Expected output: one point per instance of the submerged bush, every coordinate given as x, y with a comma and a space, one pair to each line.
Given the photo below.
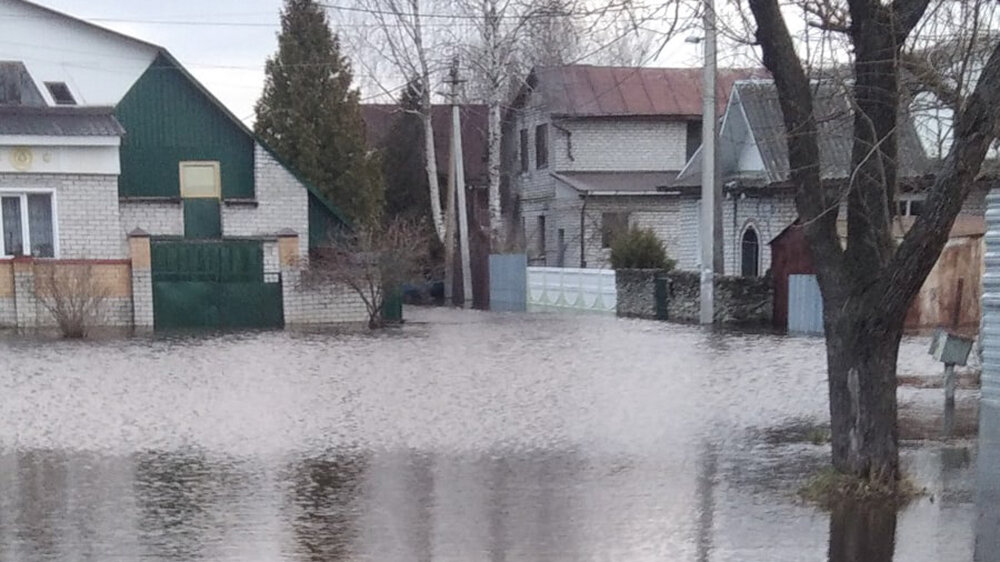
639, 248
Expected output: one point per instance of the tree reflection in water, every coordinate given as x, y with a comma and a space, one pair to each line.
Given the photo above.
862, 532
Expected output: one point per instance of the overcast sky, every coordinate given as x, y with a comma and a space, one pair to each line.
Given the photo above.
224, 43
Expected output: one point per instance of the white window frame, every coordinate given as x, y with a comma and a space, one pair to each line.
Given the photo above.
25, 228
907, 200
217, 168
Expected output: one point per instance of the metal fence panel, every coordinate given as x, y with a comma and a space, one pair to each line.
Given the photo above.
508, 282
988, 462
805, 305
566, 288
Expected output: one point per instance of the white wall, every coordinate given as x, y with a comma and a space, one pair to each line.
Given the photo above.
61, 159
86, 212
98, 67
619, 145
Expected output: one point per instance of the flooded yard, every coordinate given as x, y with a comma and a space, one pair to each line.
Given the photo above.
464, 436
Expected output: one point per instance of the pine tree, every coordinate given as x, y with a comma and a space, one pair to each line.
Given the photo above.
311, 116
406, 193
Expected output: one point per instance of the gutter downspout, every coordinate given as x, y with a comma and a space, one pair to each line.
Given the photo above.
583, 231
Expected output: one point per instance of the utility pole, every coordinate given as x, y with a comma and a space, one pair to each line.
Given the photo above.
709, 226
459, 174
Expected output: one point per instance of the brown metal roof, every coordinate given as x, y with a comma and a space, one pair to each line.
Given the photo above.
379, 119
598, 91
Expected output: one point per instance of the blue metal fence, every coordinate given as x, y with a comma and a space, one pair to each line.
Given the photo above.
805, 306
509, 282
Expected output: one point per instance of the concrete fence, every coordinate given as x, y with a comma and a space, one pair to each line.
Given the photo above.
572, 289
738, 300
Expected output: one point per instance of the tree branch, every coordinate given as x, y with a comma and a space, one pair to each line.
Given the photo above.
795, 97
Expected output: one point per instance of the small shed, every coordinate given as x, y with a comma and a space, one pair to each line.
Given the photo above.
789, 256
950, 296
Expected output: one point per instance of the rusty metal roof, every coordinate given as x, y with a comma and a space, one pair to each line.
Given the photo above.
60, 121
599, 91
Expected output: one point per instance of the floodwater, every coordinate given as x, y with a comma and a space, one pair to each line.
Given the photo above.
464, 436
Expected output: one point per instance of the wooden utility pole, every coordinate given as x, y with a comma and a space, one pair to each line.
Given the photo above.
710, 222
458, 171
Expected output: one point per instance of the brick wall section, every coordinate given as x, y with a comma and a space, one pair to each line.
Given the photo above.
767, 215
86, 209
618, 144
282, 203
318, 303
158, 218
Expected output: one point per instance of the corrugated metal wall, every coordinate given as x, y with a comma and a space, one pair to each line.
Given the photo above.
805, 305
167, 119
988, 461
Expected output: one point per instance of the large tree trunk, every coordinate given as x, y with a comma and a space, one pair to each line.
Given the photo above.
861, 357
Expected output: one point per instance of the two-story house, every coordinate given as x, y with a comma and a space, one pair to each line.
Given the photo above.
590, 150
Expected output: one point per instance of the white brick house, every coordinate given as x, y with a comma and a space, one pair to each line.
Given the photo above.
591, 150
116, 137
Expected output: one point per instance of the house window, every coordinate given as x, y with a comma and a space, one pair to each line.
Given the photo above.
524, 150
200, 180
612, 225
60, 93
26, 220
541, 146
751, 253
693, 137
910, 206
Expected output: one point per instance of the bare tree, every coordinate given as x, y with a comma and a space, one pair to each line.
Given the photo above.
868, 285
374, 261
400, 38
73, 294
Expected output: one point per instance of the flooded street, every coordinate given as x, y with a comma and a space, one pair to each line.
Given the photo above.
464, 436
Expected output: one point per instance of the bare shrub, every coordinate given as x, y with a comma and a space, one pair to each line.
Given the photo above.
73, 295
375, 261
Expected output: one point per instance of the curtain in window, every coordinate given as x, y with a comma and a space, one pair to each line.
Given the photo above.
10, 215
40, 225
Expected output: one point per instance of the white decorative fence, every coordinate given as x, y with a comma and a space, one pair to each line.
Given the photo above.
571, 289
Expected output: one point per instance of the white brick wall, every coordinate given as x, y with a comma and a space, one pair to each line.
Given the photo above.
768, 215
8, 312
86, 212
142, 298
282, 202
326, 303
160, 218
619, 144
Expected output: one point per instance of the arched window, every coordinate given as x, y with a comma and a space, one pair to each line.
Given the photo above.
751, 253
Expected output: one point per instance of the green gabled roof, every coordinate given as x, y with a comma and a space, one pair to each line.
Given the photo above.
312, 189
211, 98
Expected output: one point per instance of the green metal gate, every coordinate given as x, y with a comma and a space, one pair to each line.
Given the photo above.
213, 284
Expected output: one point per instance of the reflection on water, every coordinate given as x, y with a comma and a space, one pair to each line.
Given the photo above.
470, 437
862, 533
